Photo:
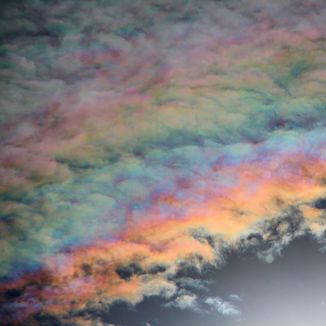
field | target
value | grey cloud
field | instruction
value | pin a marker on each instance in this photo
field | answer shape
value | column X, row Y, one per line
column 192, row 284
column 268, row 238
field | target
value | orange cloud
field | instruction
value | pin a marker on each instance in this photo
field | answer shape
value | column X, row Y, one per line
column 89, row 274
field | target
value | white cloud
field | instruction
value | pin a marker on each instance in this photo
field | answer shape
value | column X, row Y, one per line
column 186, row 301
column 224, row 308
column 235, row 297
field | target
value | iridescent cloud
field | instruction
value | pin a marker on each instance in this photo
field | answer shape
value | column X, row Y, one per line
column 140, row 138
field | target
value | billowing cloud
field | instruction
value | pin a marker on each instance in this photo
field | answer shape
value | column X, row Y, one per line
column 138, row 139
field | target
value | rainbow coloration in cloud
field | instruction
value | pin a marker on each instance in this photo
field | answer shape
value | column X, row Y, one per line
column 141, row 137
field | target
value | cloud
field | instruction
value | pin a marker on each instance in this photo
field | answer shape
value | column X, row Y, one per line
column 224, row 308
column 186, row 301
column 192, row 284
column 138, row 139
column 235, row 297
column 161, row 287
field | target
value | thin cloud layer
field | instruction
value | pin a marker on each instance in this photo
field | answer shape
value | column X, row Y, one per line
column 137, row 139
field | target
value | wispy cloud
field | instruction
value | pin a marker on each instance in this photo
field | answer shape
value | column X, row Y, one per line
column 186, row 301
column 224, row 308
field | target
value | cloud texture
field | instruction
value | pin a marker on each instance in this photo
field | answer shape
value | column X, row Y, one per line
column 138, row 138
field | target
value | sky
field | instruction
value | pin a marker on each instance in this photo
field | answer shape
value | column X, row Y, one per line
column 162, row 162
